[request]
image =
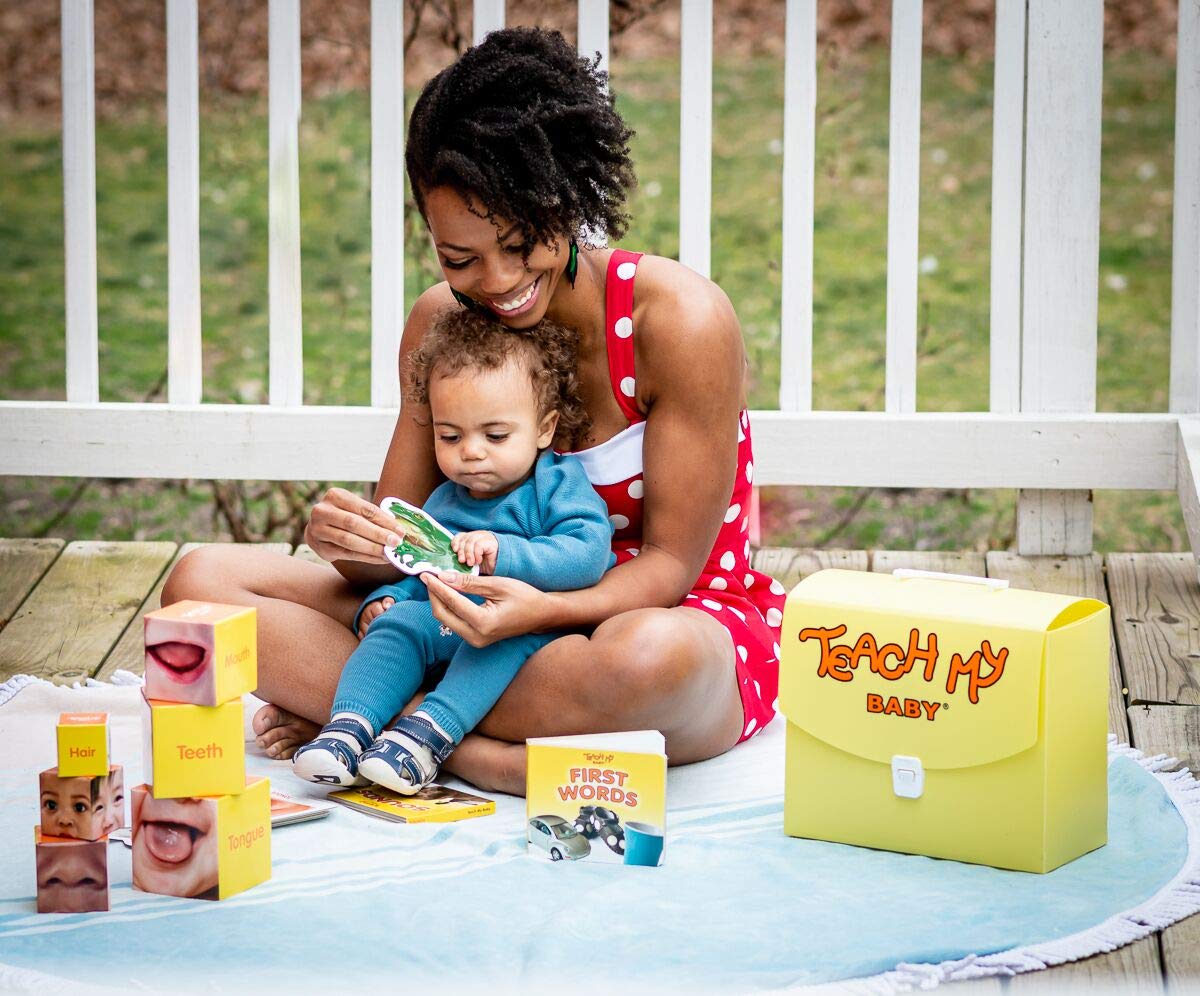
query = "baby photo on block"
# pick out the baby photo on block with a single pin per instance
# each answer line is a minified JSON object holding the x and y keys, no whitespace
{"x":86,"y":808}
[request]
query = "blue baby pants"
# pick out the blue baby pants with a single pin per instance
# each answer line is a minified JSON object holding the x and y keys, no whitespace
{"x":404,"y":645}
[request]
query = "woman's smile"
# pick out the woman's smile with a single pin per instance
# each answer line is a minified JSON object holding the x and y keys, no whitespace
{"x":518,"y":304}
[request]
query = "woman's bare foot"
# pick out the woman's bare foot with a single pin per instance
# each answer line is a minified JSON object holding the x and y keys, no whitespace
{"x":491,"y":765}
{"x":280,"y":732}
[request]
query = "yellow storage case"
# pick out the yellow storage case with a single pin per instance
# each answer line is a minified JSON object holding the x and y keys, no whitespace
{"x":946,"y":716}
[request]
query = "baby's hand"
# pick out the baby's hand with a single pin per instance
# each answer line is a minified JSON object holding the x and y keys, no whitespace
{"x":373,"y":612}
{"x":477,"y":547}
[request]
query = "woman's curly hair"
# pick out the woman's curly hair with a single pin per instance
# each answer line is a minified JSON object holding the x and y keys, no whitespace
{"x":526,"y":126}
{"x":461,"y":339}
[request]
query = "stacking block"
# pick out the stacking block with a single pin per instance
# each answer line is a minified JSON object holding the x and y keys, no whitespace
{"x":201,"y":652}
{"x":202,"y":848}
{"x":83,"y":807}
{"x":84,"y":744}
{"x":72,"y":875}
{"x":191,"y":750}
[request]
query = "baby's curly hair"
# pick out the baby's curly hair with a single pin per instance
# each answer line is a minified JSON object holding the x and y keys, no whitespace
{"x":526,"y":126}
{"x":461,"y":339}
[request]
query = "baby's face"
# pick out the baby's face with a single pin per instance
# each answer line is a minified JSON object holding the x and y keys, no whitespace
{"x":174,"y":845}
{"x":72,"y":807}
{"x":487,"y":432}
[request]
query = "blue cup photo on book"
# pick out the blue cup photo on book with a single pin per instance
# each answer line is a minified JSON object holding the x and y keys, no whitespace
{"x":643,"y":844}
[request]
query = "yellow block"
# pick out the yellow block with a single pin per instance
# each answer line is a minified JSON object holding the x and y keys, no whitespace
{"x":948,"y":717}
{"x":202,"y":848}
{"x":200,"y":652}
{"x":84,"y":744}
{"x":192,"y":750}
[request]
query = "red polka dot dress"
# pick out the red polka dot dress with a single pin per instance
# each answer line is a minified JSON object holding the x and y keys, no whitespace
{"x":747,"y":603}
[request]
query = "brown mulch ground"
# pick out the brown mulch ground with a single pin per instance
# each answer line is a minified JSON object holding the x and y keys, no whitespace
{"x":131,"y":39}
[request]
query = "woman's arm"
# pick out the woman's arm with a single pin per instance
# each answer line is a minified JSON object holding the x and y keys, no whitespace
{"x":350,"y":531}
{"x":690,"y":372}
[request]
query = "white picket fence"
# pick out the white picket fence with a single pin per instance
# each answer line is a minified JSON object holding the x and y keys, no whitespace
{"x":1042,"y":433}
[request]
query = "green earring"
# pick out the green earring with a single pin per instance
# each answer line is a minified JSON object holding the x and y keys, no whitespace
{"x":573,"y":263}
{"x":462,"y":299}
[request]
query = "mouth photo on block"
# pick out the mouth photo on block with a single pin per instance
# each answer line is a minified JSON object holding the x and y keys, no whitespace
{"x":179,"y":660}
{"x":175,"y":846}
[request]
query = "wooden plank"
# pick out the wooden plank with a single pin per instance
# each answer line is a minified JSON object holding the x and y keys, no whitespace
{"x":1174,"y":730}
{"x":387,"y":200}
{"x":904,"y":195}
{"x":129,"y":653}
{"x":286,"y":345}
{"x":1068,"y":576}
{"x":1008,"y":160}
{"x":789,"y":566}
{"x":79,"y":199}
{"x":1156,"y":611}
{"x":1061,"y":239}
{"x":799,"y":157}
{"x":1187,"y":484}
{"x":1185,"y":248}
{"x":695,"y":135}
{"x":67,"y":626}
{"x":22,"y":564}
{"x":857,"y":449}
{"x":184,"y":363}
{"x":1134,"y":969}
{"x":945,"y":561}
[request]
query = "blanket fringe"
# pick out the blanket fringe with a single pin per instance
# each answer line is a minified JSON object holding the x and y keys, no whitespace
{"x":1178,"y":899}
{"x":10,"y":688}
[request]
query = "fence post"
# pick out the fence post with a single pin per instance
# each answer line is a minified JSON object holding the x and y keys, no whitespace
{"x":1060,"y":264}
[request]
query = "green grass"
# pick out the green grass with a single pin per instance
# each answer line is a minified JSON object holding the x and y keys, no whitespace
{"x":849,"y":277}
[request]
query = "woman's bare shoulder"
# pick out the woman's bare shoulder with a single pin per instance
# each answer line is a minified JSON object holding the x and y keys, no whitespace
{"x":430,"y":301}
{"x":676,"y":311}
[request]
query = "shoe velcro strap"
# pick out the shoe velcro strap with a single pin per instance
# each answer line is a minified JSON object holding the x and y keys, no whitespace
{"x":351,"y":726}
{"x":423,"y":732}
{"x":398,"y":756}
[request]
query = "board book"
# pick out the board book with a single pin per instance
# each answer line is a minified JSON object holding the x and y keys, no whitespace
{"x":433,"y":804}
{"x":424,"y":542}
{"x":597,"y":798}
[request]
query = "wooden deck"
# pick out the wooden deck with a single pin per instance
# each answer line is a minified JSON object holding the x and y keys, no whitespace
{"x":72,"y":610}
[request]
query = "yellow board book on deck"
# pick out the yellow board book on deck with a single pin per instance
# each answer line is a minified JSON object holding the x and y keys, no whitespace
{"x":952,"y":717}
{"x":599,"y":797}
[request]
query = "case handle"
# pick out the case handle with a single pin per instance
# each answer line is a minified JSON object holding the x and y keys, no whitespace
{"x":995,"y":584}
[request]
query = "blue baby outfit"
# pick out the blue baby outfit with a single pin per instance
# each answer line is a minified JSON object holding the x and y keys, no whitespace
{"x":553,"y":532}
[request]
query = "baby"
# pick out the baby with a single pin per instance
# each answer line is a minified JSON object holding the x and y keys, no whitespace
{"x":518,"y":509}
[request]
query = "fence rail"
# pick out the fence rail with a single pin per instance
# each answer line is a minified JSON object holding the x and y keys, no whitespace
{"x":1041,"y":433}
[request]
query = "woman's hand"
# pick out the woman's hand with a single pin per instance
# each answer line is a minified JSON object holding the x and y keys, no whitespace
{"x":344,"y":526}
{"x":510,"y":607}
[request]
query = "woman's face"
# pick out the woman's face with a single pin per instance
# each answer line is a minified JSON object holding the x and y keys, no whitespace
{"x":491,"y":270}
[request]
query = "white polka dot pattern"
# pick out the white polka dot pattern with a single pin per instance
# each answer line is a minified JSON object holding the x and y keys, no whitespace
{"x":718,"y":584}
{"x":774,"y":617}
{"x":728,"y":560}
{"x":708,"y":603}
{"x":777,"y":588}
{"x":628,"y":387}
{"x":734,"y":511}
{"x":626,"y":271}
{"x":624,"y":327}
{"x":748,"y":581}
{"x":618,"y":521}
{"x":636,"y":489}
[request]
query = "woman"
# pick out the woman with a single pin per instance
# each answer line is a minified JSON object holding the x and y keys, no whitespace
{"x":513,"y":151}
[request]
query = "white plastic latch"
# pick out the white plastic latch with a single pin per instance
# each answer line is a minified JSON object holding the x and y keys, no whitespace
{"x":908,"y":777}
